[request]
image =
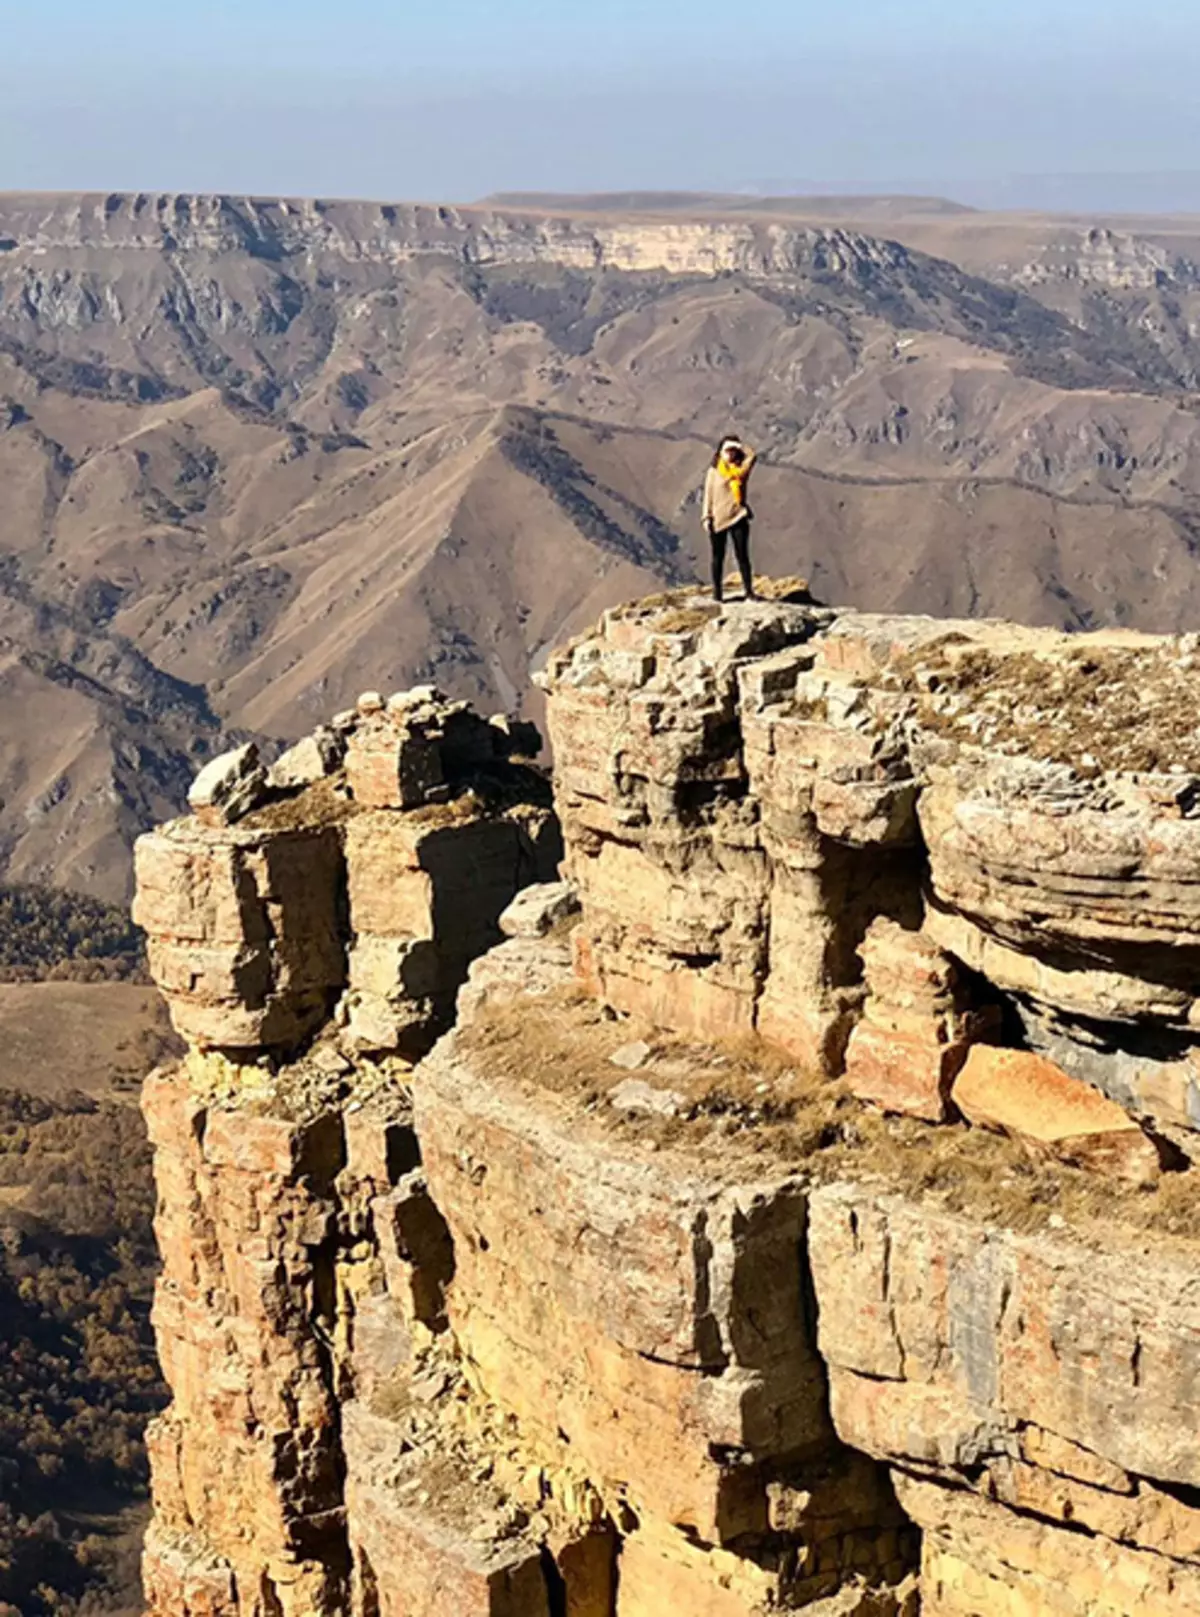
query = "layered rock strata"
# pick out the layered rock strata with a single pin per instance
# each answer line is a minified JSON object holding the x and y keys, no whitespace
{"x":745,"y":794}
{"x":672,"y":1277}
{"x":297,"y":932}
{"x":362,"y":885}
{"x":1034,"y":1395}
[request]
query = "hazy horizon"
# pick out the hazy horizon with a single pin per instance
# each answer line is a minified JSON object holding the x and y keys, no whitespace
{"x":1008,"y":103}
{"x":1085,"y":195}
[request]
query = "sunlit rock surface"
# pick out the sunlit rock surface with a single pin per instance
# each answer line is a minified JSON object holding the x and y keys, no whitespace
{"x":624,"y":1250}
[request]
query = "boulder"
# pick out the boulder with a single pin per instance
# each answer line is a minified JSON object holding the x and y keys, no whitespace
{"x":1022,"y":1094}
{"x":310,"y":760}
{"x":538,"y":910}
{"x":401,"y":702}
{"x":903,"y":1075}
{"x":633,"y":1055}
{"x":636,"y":1095}
{"x":229,"y":787}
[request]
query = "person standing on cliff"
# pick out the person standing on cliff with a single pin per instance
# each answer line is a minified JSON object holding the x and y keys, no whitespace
{"x":727,"y":514}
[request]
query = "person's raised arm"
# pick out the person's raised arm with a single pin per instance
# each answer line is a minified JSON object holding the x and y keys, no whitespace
{"x":749,"y":456}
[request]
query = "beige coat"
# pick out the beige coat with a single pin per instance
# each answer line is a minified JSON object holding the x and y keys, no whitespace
{"x":721,"y":510}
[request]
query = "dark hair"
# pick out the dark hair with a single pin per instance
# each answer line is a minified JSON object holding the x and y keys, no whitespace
{"x":735,"y":455}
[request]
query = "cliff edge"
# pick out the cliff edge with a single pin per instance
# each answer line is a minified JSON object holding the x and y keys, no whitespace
{"x":791,"y":1209}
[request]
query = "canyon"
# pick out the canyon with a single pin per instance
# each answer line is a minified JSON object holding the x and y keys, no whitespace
{"x":256,"y":454}
{"x":756,"y":1177}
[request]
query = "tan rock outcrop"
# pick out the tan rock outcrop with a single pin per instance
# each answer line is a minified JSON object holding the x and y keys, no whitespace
{"x":441,"y":1521}
{"x":663,"y":1571}
{"x":653,"y":1351}
{"x":980,"y":1557}
{"x":250,"y":935}
{"x":410,"y":1561}
{"x":745,"y":795}
{"x":1046,"y":1375}
{"x":915,"y":1034}
{"x":302,"y":1258}
{"x":1017,"y":1327}
{"x":246,"y":1459}
{"x":425,"y":898}
{"x":245,"y":938}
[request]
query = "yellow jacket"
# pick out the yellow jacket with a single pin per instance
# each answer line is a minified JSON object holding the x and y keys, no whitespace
{"x":725,"y":493}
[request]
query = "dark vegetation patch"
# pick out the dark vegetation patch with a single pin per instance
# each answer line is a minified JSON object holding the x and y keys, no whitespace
{"x":89,"y":379}
{"x":47,"y":934}
{"x":195,"y":472}
{"x":78,"y":1373}
{"x":571,"y":306}
{"x":237,"y":609}
{"x":108,"y":667}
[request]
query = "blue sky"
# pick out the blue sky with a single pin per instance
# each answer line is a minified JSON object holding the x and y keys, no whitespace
{"x":455,"y":99}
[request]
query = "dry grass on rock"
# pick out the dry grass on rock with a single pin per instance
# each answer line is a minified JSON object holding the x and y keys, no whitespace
{"x":1130,"y":709}
{"x":319,"y":805}
{"x":750,"y":1111}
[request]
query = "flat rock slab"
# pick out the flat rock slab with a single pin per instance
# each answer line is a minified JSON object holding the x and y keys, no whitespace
{"x":1027,"y":1096}
{"x":539,"y":909}
{"x":632,"y":1056}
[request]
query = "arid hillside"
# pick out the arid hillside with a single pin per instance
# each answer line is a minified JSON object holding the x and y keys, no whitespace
{"x":258,"y":455}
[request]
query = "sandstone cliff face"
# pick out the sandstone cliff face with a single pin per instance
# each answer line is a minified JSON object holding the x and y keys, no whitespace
{"x":750,"y":798}
{"x":670,"y":1279}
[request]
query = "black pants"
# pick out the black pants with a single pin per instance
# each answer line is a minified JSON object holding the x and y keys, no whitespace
{"x":740,"y":534}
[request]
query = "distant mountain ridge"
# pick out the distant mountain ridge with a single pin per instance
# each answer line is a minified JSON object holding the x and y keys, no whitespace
{"x":851,"y":205}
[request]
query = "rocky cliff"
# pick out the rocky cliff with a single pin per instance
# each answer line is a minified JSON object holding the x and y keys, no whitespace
{"x":793,"y":1212}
